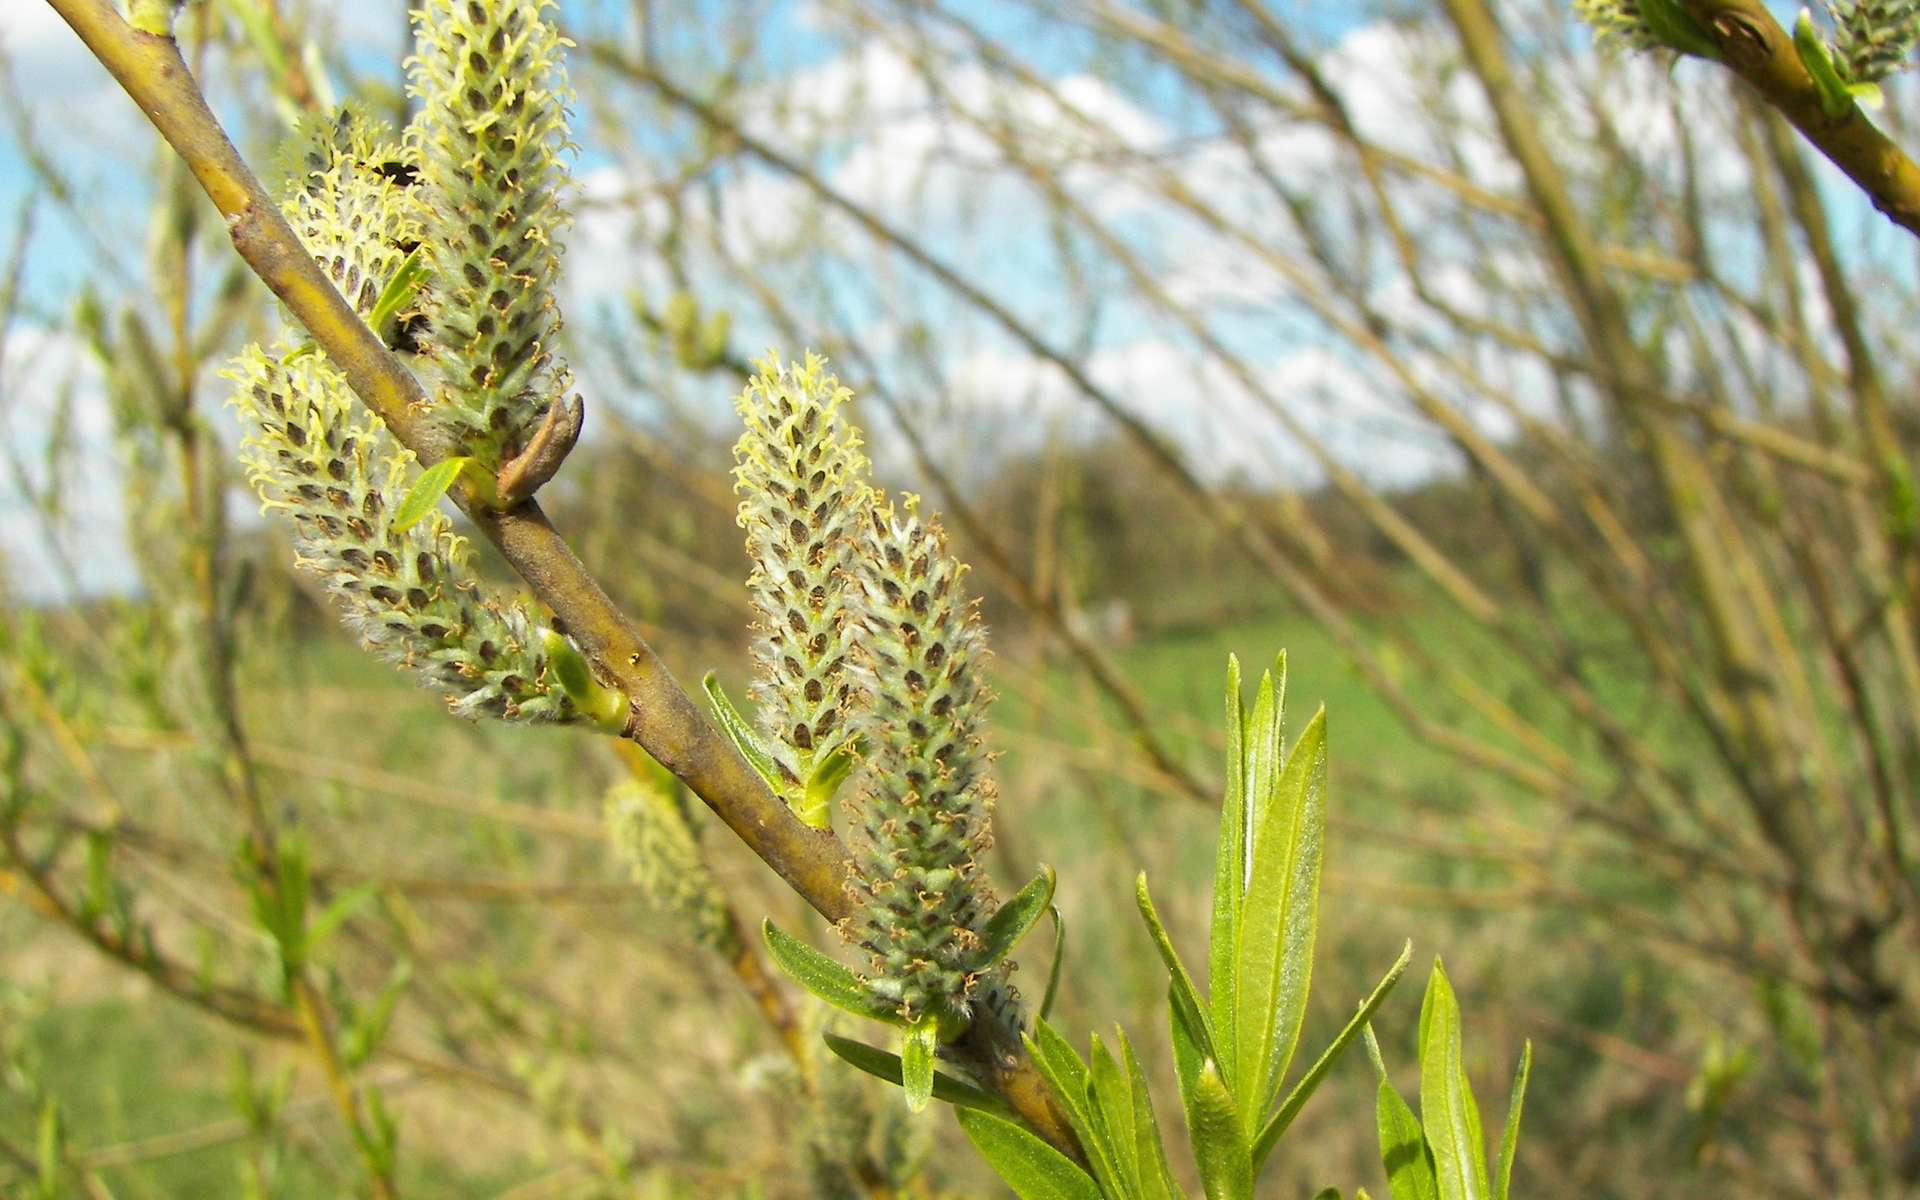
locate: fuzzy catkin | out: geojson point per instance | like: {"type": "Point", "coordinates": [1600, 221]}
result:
{"type": "Point", "coordinates": [490, 140]}
{"type": "Point", "coordinates": [1874, 38]}
{"type": "Point", "coordinates": [1619, 23]}
{"type": "Point", "coordinates": [649, 831]}
{"type": "Point", "coordinates": [406, 592]}
{"type": "Point", "coordinates": [800, 473]}
{"type": "Point", "coordinates": [923, 818]}
{"type": "Point", "coordinates": [350, 198]}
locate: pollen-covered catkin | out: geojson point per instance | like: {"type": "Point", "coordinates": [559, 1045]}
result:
{"type": "Point", "coordinates": [921, 822]}
{"type": "Point", "coordinates": [490, 139]}
{"type": "Point", "coordinates": [801, 477]}
{"type": "Point", "coordinates": [350, 198]}
{"type": "Point", "coordinates": [407, 592]}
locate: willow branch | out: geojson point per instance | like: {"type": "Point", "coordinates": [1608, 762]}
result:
{"type": "Point", "coordinates": [1753, 45]}
{"type": "Point", "coordinates": [664, 720]}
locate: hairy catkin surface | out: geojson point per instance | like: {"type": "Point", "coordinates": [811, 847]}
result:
{"type": "Point", "coordinates": [338, 475]}
{"type": "Point", "coordinates": [490, 140]}
{"type": "Point", "coordinates": [406, 592]}
{"type": "Point", "coordinates": [921, 822]}
{"type": "Point", "coordinates": [350, 196]}
{"type": "Point", "coordinates": [1619, 23]}
{"type": "Point", "coordinates": [1874, 38]}
{"type": "Point", "coordinates": [801, 477]}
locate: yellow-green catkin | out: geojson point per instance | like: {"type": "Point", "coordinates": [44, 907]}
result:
{"type": "Point", "coordinates": [350, 196]}
{"type": "Point", "coordinates": [408, 592]}
{"type": "Point", "coordinates": [1874, 38]}
{"type": "Point", "coordinates": [490, 139]}
{"type": "Point", "coordinates": [1619, 23]}
{"type": "Point", "coordinates": [802, 481]}
{"type": "Point", "coordinates": [922, 819]}
{"type": "Point", "coordinates": [335, 471]}
{"type": "Point", "coordinates": [647, 824]}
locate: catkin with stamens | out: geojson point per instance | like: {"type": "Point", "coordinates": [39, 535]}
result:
{"type": "Point", "coordinates": [921, 822]}
{"type": "Point", "coordinates": [801, 477]}
{"type": "Point", "coordinates": [1874, 38]}
{"type": "Point", "coordinates": [490, 140]}
{"type": "Point", "coordinates": [1619, 23]}
{"type": "Point", "coordinates": [408, 592]}
{"type": "Point", "coordinates": [351, 199]}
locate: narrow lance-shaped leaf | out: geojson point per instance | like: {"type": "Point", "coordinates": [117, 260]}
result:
{"type": "Point", "coordinates": [1033, 1169]}
{"type": "Point", "coordinates": [884, 1064]}
{"type": "Point", "coordinates": [1403, 1148]}
{"type": "Point", "coordinates": [1228, 871]}
{"type": "Point", "coordinates": [1183, 993]}
{"type": "Point", "coordinates": [1277, 922]}
{"type": "Point", "coordinates": [1448, 1113]}
{"type": "Point", "coordinates": [1510, 1136]}
{"type": "Point", "coordinates": [1011, 921]}
{"type": "Point", "coordinates": [1302, 1091]}
{"type": "Point", "coordinates": [1156, 1174]}
{"type": "Point", "coordinates": [426, 492]}
{"type": "Point", "coordinates": [1110, 1101]}
{"type": "Point", "coordinates": [1066, 1075]}
{"type": "Point", "coordinates": [825, 978]}
{"type": "Point", "coordinates": [740, 732]}
{"type": "Point", "coordinates": [1059, 957]}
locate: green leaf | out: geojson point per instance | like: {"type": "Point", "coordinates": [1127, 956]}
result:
{"type": "Point", "coordinates": [1230, 866]}
{"type": "Point", "coordinates": [1011, 921]}
{"type": "Point", "coordinates": [1327, 1193]}
{"type": "Point", "coordinates": [369, 1029]}
{"type": "Point", "coordinates": [50, 1141]}
{"type": "Point", "coordinates": [1274, 964]}
{"type": "Point", "coordinates": [1302, 1091]}
{"type": "Point", "coordinates": [1059, 957]}
{"type": "Point", "coordinates": [1110, 1101]}
{"type": "Point", "coordinates": [744, 737]}
{"type": "Point", "coordinates": [426, 492]}
{"type": "Point", "coordinates": [1183, 993]}
{"type": "Point", "coordinates": [1219, 1138]}
{"type": "Point", "coordinates": [407, 278]}
{"type": "Point", "coordinates": [1033, 1169]}
{"type": "Point", "coordinates": [1510, 1136]}
{"type": "Point", "coordinates": [1156, 1175]}
{"type": "Point", "coordinates": [334, 915]}
{"type": "Point", "coordinates": [829, 772]}
{"type": "Point", "coordinates": [825, 978]}
{"type": "Point", "coordinates": [1188, 1054]}
{"type": "Point", "coordinates": [1066, 1075]}
{"type": "Point", "coordinates": [883, 1064]}
{"type": "Point", "coordinates": [1403, 1148]}
{"type": "Point", "coordinates": [607, 707]}
{"type": "Point", "coordinates": [917, 1045]}
{"type": "Point", "coordinates": [1835, 99]}
{"type": "Point", "coordinates": [1447, 1110]}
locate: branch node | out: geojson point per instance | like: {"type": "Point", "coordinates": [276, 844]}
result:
{"type": "Point", "coordinates": [528, 471]}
